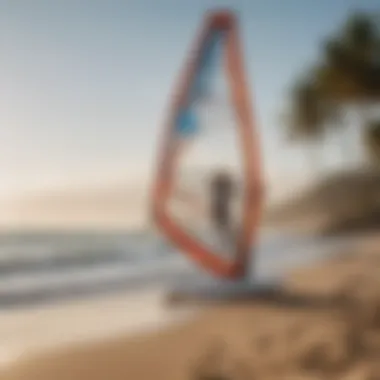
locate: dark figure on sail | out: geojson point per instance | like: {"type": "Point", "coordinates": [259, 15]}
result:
{"type": "Point", "coordinates": [219, 207]}
{"type": "Point", "coordinates": [222, 189]}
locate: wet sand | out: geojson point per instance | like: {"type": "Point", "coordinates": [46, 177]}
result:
{"type": "Point", "coordinates": [331, 332]}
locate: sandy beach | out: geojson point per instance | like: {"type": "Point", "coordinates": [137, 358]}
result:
{"type": "Point", "coordinates": [28, 331]}
{"type": "Point", "coordinates": [331, 331]}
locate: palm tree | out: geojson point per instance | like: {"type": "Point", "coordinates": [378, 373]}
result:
{"type": "Point", "coordinates": [303, 122]}
{"type": "Point", "coordinates": [346, 80]}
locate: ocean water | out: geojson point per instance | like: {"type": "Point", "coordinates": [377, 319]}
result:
{"type": "Point", "coordinates": [45, 266]}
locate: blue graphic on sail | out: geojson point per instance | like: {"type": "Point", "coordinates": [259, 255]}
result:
{"type": "Point", "coordinates": [187, 124]}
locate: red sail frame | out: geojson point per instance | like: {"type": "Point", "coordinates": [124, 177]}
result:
{"type": "Point", "coordinates": [208, 259]}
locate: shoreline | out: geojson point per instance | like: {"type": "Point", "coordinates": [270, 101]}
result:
{"type": "Point", "coordinates": [172, 350]}
{"type": "Point", "coordinates": [51, 285]}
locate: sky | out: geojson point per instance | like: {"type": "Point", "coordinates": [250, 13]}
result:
{"type": "Point", "coordinates": [85, 84]}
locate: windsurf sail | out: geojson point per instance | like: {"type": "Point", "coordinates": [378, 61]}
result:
{"type": "Point", "coordinates": [207, 190]}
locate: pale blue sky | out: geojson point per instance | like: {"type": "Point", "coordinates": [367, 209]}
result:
{"type": "Point", "coordinates": [85, 83]}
